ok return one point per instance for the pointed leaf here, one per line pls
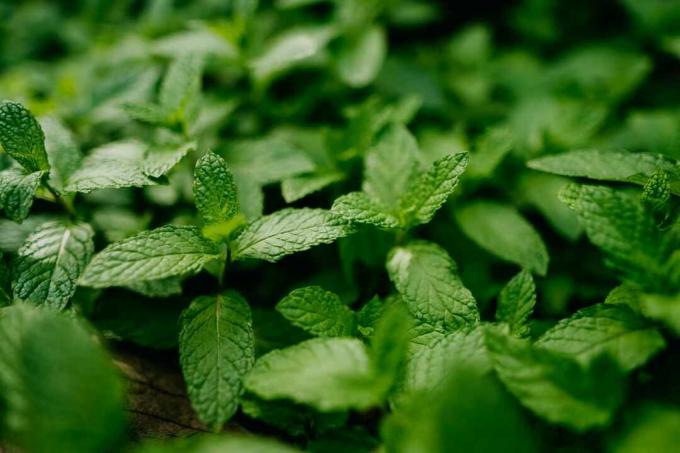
(22, 137)
(318, 312)
(215, 192)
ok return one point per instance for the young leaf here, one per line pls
(554, 386)
(63, 152)
(50, 262)
(151, 255)
(430, 190)
(215, 192)
(318, 312)
(516, 303)
(60, 390)
(611, 328)
(362, 57)
(326, 373)
(616, 222)
(216, 349)
(114, 165)
(426, 278)
(22, 137)
(181, 88)
(298, 187)
(287, 231)
(17, 190)
(502, 231)
(358, 207)
(610, 166)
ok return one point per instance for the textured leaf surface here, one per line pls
(50, 262)
(17, 190)
(151, 255)
(427, 279)
(358, 207)
(502, 231)
(216, 348)
(215, 192)
(113, 165)
(609, 166)
(326, 373)
(63, 152)
(288, 231)
(22, 137)
(160, 160)
(60, 389)
(616, 222)
(181, 85)
(318, 312)
(611, 328)
(555, 387)
(430, 190)
(516, 303)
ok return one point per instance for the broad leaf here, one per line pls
(17, 190)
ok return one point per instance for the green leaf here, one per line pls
(164, 287)
(665, 309)
(362, 56)
(231, 443)
(491, 148)
(433, 352)
(430, 190)
(358, 207)
(388, 348)
(609, 166)
(161, 159)
(554, 386)
(151, 255)
(17, 190)
(5, 280)
(318, 312)
(13, 235)
(215, 192)
(298, 187)
(182, 84)
(22, 137)
(502, 231)
(616, 222)
(427, 279)
(50, 262)
(611, 328)
(326, 373)
(216, 350)
(63, 152)
(655, 428)
(113, 165)
(287, 231)
(61, 391)
(389, 167)
(516, 303)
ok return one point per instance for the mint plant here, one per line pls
(320, 225)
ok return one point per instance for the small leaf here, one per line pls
(427, 279)
(17, 191)
(362, 56)
(272, 237)
(22, 137)
(318, 312)
(50, 262)
(298, 187)
(151, 255)
(216, 349)
(516, 303)
(63, 152)
(160, 160)
(358, 207)
(215, 192)
(502, 231)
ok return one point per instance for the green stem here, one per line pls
(65, 203)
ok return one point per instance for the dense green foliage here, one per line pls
(352, 225)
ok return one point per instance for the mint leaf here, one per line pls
(362, 56)
(272, 237)
(161, 159)
(553, 385)
(430, 190)
(50, 262)
(318, 312)
(151, 255)
(609, 166)
(215, 192)
(298, 187)
(17, 190)
(326, 373)
(164, 287)
(63, 152)
(60, 389)
(113, 165)
(21, 137)
(231, 443)
(614, 329)
(616, 222)
(216, 349)
(516, 303)
(502, 231)
(358, 207)
(426, 277)
(654, 429)
(663, 308)
(388, 348)
(181, 88)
